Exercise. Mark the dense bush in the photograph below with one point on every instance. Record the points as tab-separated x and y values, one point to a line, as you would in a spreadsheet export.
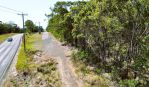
114	32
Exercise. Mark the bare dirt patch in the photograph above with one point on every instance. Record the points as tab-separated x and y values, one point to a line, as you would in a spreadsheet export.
62	54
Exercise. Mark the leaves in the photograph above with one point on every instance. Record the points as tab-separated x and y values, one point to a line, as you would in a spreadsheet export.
115	32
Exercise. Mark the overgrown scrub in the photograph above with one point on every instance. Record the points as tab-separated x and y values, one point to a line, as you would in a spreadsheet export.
25	57
57	35
128	83
50	74
114	32
80	55
47	68
90	75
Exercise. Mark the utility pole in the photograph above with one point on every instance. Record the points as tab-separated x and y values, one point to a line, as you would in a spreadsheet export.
39	29
24	39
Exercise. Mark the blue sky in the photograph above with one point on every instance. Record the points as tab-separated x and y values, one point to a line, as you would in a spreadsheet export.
35	9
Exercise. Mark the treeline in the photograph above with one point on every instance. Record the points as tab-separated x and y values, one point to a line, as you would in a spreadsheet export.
114	34
9	28
31	27
14	28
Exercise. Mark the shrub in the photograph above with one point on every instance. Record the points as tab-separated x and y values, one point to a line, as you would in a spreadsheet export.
80	55
128	83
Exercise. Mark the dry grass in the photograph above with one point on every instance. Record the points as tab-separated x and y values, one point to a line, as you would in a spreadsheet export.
90	78
39	75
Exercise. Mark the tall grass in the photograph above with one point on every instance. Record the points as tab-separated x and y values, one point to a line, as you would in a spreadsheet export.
25	56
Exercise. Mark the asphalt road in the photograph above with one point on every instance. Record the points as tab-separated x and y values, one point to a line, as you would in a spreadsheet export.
8	51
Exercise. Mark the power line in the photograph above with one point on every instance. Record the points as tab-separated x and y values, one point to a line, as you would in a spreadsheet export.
22	14
7	11
10	9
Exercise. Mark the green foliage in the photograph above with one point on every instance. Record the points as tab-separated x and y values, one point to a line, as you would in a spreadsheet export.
57	35
80	55
25	56
9	28
128	83
114	32
31	27
22	60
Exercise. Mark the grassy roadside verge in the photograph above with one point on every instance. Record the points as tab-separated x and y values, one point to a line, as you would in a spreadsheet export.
23	56
33	68
5	36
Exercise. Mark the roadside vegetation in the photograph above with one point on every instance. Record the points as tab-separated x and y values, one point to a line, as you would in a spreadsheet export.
91	76
5	36
41	73
32	68
111	36
25	57
49	74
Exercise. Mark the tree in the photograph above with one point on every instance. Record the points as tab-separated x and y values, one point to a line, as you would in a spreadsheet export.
9	28
29	26
113	32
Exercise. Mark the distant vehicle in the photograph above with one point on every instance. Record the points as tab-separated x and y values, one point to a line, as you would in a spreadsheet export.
10	39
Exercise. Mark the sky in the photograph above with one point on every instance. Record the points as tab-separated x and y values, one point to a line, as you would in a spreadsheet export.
36	10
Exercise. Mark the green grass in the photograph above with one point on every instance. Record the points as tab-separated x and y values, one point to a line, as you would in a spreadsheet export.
24	57
5	36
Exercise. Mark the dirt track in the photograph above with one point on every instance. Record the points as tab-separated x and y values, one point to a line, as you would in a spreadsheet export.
53	48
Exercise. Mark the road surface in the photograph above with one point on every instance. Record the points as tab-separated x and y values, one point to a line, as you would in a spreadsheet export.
8	51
